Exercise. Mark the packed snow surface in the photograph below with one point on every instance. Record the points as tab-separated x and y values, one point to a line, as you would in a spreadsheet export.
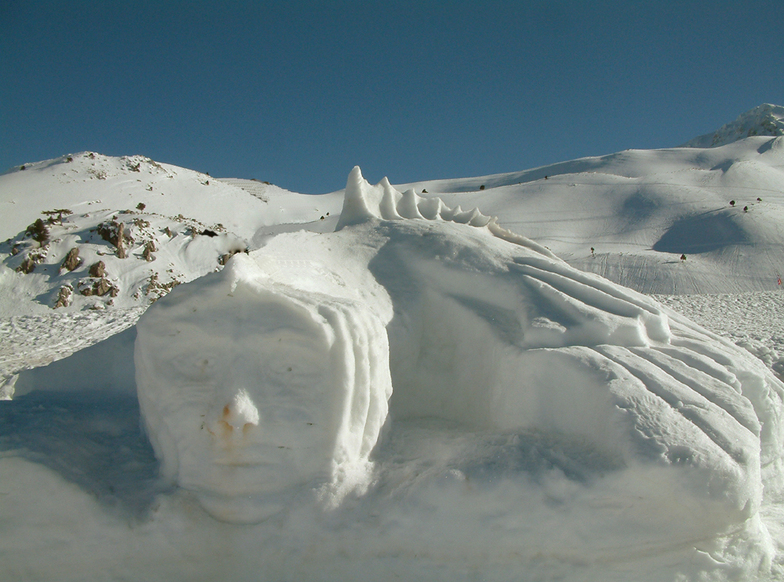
385	382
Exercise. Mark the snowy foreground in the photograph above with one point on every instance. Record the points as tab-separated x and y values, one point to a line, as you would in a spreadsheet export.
377	385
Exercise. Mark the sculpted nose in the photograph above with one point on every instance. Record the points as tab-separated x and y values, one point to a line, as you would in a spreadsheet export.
240	412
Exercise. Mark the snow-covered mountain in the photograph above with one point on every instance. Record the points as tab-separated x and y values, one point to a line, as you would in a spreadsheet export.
642	447
764	120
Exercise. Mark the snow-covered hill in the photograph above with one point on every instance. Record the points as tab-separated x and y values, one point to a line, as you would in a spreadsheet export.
62	217
630	216
92	241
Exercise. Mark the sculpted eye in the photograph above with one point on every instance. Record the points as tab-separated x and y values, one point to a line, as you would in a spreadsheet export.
205	365
291	374
195	367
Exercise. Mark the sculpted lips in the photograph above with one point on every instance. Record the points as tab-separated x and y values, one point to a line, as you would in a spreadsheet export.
242	463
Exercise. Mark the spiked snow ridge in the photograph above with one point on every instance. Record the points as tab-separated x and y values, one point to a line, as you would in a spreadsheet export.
363	202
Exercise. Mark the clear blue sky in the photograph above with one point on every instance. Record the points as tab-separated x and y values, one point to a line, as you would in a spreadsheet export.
298	92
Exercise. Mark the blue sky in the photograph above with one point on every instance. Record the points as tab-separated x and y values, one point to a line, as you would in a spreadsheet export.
298	92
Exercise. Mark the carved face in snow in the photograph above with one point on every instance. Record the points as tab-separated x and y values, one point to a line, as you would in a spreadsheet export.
245	393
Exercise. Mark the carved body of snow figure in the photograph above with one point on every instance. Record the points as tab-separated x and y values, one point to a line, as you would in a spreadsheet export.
468	323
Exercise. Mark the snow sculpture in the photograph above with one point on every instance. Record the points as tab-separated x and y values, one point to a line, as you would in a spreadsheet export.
251	390
677	430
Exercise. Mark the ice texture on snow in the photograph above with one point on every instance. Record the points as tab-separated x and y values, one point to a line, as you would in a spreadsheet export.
654	429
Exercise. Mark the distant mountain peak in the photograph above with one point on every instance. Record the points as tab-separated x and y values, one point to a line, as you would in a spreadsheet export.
765	119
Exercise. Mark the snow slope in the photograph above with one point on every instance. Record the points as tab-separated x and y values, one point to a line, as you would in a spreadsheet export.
449	500
640	210
188	220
